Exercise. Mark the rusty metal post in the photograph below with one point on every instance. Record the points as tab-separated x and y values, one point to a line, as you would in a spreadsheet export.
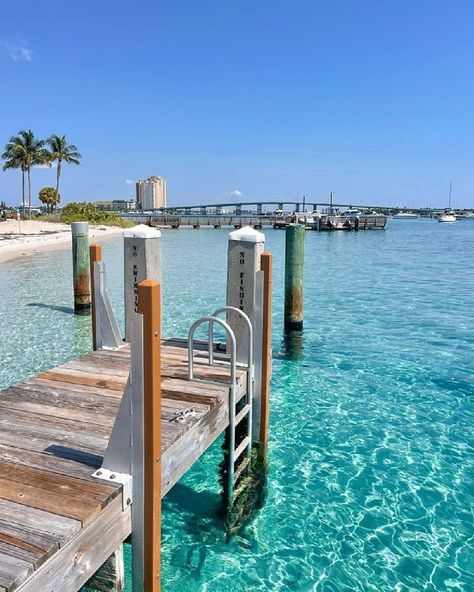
294	260
266	370
95	255
149	305
80	267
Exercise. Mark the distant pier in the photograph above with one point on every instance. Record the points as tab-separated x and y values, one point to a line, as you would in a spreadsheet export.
320	223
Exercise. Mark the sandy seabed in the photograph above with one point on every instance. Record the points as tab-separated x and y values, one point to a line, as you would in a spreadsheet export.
31	237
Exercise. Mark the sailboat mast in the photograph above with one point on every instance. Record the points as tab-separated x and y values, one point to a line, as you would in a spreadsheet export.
450	190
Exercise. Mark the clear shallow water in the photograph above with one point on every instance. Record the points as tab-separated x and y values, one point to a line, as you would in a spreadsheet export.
371	457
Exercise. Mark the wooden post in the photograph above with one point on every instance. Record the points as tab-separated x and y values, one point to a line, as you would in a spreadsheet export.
95	255
110	577
149	305
243	262
266	264
294	260
142	260
80	267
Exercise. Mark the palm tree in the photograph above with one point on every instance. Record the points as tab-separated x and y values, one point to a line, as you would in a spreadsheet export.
24	151
49	197
60	151
13	160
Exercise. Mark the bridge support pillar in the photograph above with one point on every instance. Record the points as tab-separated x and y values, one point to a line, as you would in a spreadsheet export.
280	206
297	209
203	211
238	210
259	209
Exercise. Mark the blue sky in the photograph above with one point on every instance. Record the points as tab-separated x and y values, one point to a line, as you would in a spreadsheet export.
373	100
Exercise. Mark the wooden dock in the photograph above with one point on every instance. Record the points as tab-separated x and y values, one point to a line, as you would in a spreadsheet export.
88	449
58	524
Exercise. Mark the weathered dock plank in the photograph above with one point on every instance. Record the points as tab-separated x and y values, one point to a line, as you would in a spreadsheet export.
58	524
81	556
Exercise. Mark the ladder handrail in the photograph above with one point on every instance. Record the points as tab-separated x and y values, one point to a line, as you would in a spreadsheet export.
233	353
250	360
244	316
233	383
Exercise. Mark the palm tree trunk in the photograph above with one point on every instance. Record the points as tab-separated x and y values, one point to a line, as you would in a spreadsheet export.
23	189
58	175
29	193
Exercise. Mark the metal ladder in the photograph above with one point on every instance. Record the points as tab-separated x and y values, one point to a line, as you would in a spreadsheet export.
235	418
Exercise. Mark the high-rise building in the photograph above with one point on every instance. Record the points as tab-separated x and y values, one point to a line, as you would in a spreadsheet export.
151	193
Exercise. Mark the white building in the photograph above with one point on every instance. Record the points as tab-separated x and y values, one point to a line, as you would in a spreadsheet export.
151	193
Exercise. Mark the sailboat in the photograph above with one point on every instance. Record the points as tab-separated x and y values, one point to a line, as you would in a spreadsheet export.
448	215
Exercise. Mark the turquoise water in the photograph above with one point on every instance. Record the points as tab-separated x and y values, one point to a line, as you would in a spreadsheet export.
371	455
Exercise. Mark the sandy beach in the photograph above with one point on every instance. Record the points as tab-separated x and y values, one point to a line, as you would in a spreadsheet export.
31	237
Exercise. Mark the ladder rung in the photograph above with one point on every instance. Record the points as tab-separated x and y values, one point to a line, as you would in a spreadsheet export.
241	447
241	468
242	413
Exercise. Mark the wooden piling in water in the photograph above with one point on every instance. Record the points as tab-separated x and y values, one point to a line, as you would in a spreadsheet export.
95	255
111	575
294	260
80	267
149	305
266	266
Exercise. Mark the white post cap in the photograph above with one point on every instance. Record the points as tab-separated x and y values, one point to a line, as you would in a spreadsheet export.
79	228
141	231
247	234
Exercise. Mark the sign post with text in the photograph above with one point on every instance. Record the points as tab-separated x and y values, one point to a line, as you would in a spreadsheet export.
142	260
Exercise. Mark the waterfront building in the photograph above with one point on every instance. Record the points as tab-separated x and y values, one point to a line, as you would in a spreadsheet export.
151	193
118	205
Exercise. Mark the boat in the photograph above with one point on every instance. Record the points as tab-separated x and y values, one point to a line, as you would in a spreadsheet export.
306	219
465	216
448	215
351	213
407	215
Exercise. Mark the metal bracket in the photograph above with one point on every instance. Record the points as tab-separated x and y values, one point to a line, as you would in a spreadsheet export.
107	329
124	455
123	478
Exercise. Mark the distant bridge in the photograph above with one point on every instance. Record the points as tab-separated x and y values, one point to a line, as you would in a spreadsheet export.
296	206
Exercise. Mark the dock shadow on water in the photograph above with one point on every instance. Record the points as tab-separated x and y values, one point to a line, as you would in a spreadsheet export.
204	505
53	307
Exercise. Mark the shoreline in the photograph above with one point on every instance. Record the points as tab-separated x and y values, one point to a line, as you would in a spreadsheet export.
37	238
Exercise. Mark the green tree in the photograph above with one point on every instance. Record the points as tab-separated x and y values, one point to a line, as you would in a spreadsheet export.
24	151
12	160
61	151
49	197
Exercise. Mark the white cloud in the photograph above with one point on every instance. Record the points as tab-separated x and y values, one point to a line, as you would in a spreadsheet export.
129	181
18	53
44	166
236	193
